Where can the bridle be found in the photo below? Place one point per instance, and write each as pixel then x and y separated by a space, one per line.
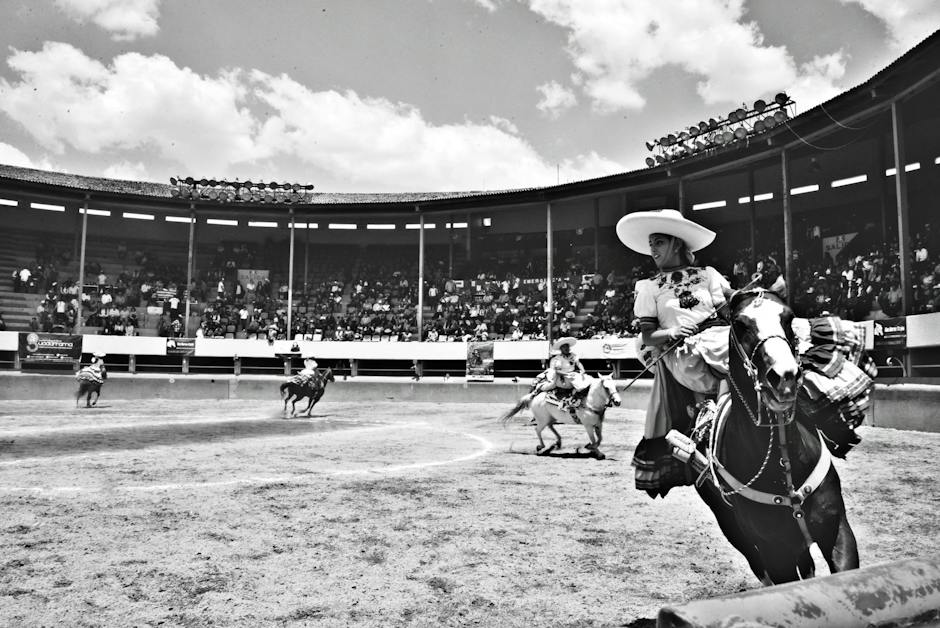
pixel 759 417
pixel 610 400
pixel 776 421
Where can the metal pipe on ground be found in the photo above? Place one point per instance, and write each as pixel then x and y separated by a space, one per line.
pixel 904 593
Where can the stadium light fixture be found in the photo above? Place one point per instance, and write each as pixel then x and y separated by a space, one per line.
pixel 734 129
pixel 224 191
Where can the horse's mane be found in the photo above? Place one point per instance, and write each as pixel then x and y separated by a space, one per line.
pixel 740 298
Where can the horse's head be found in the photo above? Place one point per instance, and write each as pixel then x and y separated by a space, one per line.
pixel 328 375
pixel 762 346
pixel 610 389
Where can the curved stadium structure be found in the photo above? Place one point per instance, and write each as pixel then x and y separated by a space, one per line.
pixel 842 187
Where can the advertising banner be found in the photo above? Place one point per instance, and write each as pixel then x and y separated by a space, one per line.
pixel 42 348
pixel 252 275
pixel 890 333
pixel 833 245
pixel 480 361
pixel 180 346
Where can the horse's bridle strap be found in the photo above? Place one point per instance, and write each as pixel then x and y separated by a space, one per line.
pixel 799 495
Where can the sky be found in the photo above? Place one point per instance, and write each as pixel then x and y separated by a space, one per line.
pixel 412 95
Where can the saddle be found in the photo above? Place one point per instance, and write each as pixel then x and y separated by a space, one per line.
pixel 567 399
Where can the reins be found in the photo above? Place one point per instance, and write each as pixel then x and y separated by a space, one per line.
pixel 794 497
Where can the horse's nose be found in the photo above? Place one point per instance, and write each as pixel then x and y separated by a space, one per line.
pixel 617 401
pixel 783 379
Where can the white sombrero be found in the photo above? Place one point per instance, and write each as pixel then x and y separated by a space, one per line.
pixel 635 229
pixel 567 340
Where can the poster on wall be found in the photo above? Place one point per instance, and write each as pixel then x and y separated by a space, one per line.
pixel 833 245
pixel 180 346
pixel 480 361
pixel 251 275
pixel 890 333
pixel 42 348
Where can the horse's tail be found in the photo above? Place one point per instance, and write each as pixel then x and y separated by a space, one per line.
pixel 522 403
pixel 283 388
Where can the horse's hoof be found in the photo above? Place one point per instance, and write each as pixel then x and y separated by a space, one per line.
pixel 539 448
pixel 599 456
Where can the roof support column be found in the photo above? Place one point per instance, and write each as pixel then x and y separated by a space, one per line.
pixel 881 166
pixel 420 317
pixel 904 226
pixel 306 258
pixel 752 209
pixel 787 226
pixel 469 234
pixel 290 278
pixel 79 320
pixel 190 265
pixel 450 250
pixel 682 197
pixel 549 300
pixel 597 220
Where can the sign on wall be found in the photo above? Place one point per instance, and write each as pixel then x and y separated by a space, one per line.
pixel 480 361
pixel 890 333
pixel 180 346
pixel 833 245
pixel 42 348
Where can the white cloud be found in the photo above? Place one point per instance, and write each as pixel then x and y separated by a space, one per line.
pixel 489 5
pixel 66 99
pixel 908 21
pixel 617 44
pixel 12 156
pixel 125 19
pixel 504 124
pixel 241 122
pixel 556 99
pixel 128 171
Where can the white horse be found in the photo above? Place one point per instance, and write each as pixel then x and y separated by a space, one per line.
pixel 602 393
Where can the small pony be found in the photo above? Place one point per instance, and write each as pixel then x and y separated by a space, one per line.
pixel 601 394
pixel 313 391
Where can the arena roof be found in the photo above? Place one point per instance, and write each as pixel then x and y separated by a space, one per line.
pixel 912 72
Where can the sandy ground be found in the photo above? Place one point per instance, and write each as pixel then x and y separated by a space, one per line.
pixel 385 514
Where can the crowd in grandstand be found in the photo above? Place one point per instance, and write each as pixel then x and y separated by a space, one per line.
pixel 377 296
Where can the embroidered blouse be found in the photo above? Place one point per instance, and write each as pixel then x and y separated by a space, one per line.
pixel 677 297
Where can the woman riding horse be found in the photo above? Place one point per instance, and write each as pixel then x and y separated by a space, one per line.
pixel 90 379
pixel 677 313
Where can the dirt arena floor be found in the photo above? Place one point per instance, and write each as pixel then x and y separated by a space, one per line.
pixel 380 514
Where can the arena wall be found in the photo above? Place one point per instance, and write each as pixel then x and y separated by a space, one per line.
pixel 896 406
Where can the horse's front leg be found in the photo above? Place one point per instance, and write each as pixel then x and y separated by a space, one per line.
pixel 557 436
pixel 538 433
pixel 309 409
pixel 842 555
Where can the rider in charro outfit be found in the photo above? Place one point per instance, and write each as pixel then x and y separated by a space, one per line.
pixel 307 374
pixel 677 309
pixel 564 376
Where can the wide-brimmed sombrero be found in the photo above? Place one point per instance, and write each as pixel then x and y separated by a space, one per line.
pixel 635 229
pixel 567 340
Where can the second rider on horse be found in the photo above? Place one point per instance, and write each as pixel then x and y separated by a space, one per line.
pixel 564 376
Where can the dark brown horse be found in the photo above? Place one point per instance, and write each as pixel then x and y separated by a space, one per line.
pixel 88 385
pixel 313 390
pixel 775 490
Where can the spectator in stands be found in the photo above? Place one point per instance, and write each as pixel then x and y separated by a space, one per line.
pixel 3 323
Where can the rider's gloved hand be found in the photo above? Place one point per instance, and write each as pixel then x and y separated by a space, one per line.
pixel 683 331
